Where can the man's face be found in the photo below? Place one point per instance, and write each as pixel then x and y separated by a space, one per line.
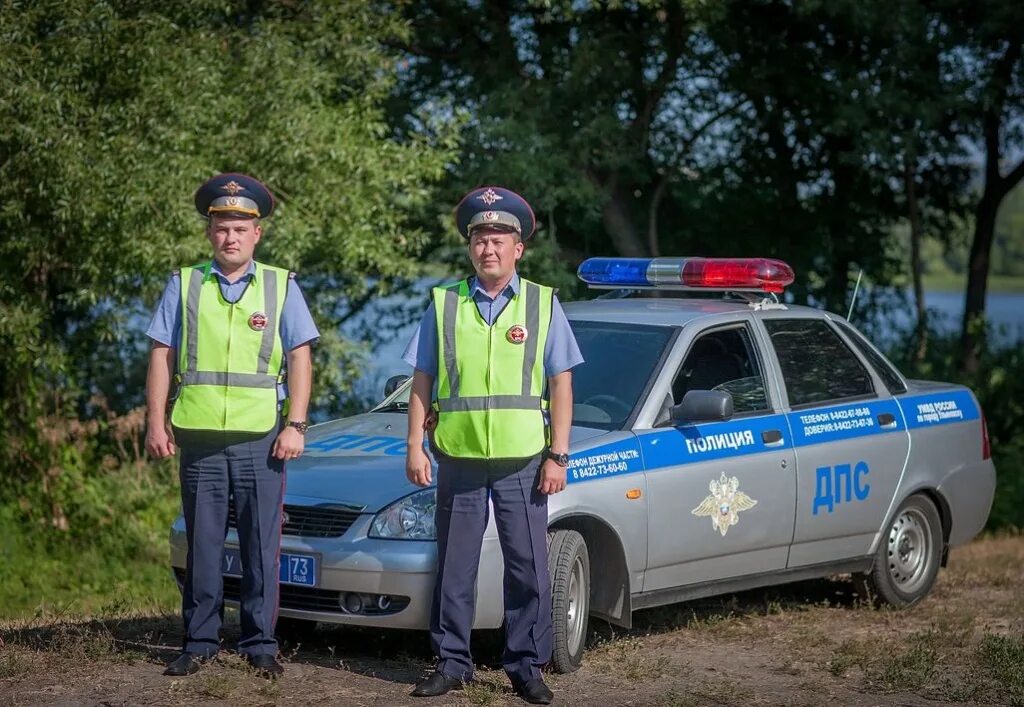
pixel 233 239
pixel 494 252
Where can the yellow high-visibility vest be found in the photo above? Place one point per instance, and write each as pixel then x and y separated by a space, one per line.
pixel 229 360
pixel 491 378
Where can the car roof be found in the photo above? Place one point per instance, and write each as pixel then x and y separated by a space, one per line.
pixel 669 311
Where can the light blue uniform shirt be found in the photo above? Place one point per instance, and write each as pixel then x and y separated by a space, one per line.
pixel 297 327
pixel 561 351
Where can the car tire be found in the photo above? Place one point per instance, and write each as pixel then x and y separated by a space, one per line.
pixel 569 566
pixel 294 631
pixel 908 556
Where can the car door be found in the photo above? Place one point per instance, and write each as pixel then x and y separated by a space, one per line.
pixel 850 437
pixel 720 494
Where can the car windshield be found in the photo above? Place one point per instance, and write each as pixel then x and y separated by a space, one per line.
pixel 619 361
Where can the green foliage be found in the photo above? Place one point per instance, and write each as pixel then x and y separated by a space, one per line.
pixel 999 387
pixel 115 548
pixel 111 114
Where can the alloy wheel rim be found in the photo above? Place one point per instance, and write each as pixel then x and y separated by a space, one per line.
pixel 577 610
pixel 909 550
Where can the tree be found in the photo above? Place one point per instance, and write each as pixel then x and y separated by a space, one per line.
pixel 989 60
pixel 113 112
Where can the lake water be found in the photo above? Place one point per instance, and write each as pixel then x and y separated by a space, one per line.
pixel 1004 310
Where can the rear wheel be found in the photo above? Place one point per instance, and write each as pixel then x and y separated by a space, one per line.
pixel 569 566
pixel 908 556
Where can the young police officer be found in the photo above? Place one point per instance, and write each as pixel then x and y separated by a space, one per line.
pixel 494 343
pixel 225 331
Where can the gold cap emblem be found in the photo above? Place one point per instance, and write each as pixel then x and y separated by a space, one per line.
pixel 232 187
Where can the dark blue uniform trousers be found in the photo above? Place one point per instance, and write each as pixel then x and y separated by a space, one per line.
pixel 521 517
pixel 214 467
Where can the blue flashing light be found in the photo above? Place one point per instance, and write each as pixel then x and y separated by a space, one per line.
pixel 615 272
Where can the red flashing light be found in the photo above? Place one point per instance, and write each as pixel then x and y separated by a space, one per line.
pixel 765 274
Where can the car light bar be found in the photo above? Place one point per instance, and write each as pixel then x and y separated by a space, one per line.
pixel 734 274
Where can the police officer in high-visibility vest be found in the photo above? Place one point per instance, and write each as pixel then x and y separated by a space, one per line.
pixel 501 352
pixel 226 331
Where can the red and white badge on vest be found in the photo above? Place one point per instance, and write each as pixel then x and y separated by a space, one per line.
pixel 516 334
pixel 258 321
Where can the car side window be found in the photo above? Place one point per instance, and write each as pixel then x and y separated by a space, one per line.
pixel 885 370
pixel 817 366
pixel 725 360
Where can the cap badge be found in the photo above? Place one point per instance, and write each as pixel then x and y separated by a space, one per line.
pixel 232 201
pixel 516 334
pixel 490 215
pixel 233 187
pixel 258 321
pixel 490 196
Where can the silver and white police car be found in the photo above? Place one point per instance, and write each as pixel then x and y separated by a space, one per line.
pixel 717 445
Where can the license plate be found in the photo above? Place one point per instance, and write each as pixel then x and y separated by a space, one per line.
pixel 295 569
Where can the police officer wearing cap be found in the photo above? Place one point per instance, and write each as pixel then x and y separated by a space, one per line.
pixel 226 331
pixel 500 352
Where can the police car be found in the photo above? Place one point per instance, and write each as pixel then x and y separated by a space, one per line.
pixel 718 444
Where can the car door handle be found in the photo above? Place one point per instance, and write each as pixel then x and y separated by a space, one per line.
pixel 887 420
pixel 772 438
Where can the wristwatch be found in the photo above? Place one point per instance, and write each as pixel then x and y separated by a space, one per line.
pixel 300 425
pixel 560 459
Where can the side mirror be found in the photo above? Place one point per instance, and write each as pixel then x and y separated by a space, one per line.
pixel 393 384
pixel 703 406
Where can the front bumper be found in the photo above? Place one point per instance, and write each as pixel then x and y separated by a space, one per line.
pixel 353 564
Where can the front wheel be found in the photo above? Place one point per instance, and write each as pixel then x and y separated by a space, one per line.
pixel 569 566
pixel 908 556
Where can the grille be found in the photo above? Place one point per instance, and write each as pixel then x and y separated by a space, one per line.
pixel 312 521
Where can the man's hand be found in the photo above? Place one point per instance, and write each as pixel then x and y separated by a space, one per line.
pixel 160 441
pixel 289 444
pixel 417 466
pixel 552 477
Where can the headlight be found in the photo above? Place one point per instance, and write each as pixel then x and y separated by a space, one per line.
pixel 410 518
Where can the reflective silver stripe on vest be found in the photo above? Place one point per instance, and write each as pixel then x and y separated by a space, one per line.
pixel 236 380
pixel 195 286
pixel 270 309
pixel 451 306
pixel 532 328
pixel 489 402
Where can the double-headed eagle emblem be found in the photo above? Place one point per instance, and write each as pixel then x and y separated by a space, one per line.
pixel 724 504
pixel 490 196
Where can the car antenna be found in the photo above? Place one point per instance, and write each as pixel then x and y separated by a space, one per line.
pixel 856 288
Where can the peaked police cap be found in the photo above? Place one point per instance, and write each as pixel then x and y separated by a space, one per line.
pixel 495 206
pixel 235 194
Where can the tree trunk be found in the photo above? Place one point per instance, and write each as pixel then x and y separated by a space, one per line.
pixel 619 223
pixel 972 333
pixel 913 216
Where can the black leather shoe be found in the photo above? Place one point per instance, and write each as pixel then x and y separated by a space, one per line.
pixel 437 683
pixel 185 664
pixel 536 692
pixel 265 665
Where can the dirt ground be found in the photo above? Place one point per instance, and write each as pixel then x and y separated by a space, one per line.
pixel 809 643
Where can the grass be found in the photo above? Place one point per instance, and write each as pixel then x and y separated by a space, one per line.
pixel 1002 657
pixel 951 282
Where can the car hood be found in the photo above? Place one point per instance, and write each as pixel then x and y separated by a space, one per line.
pixel 360 461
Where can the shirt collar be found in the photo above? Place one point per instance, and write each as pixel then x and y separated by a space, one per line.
pixel 511 289
pixel 249 272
